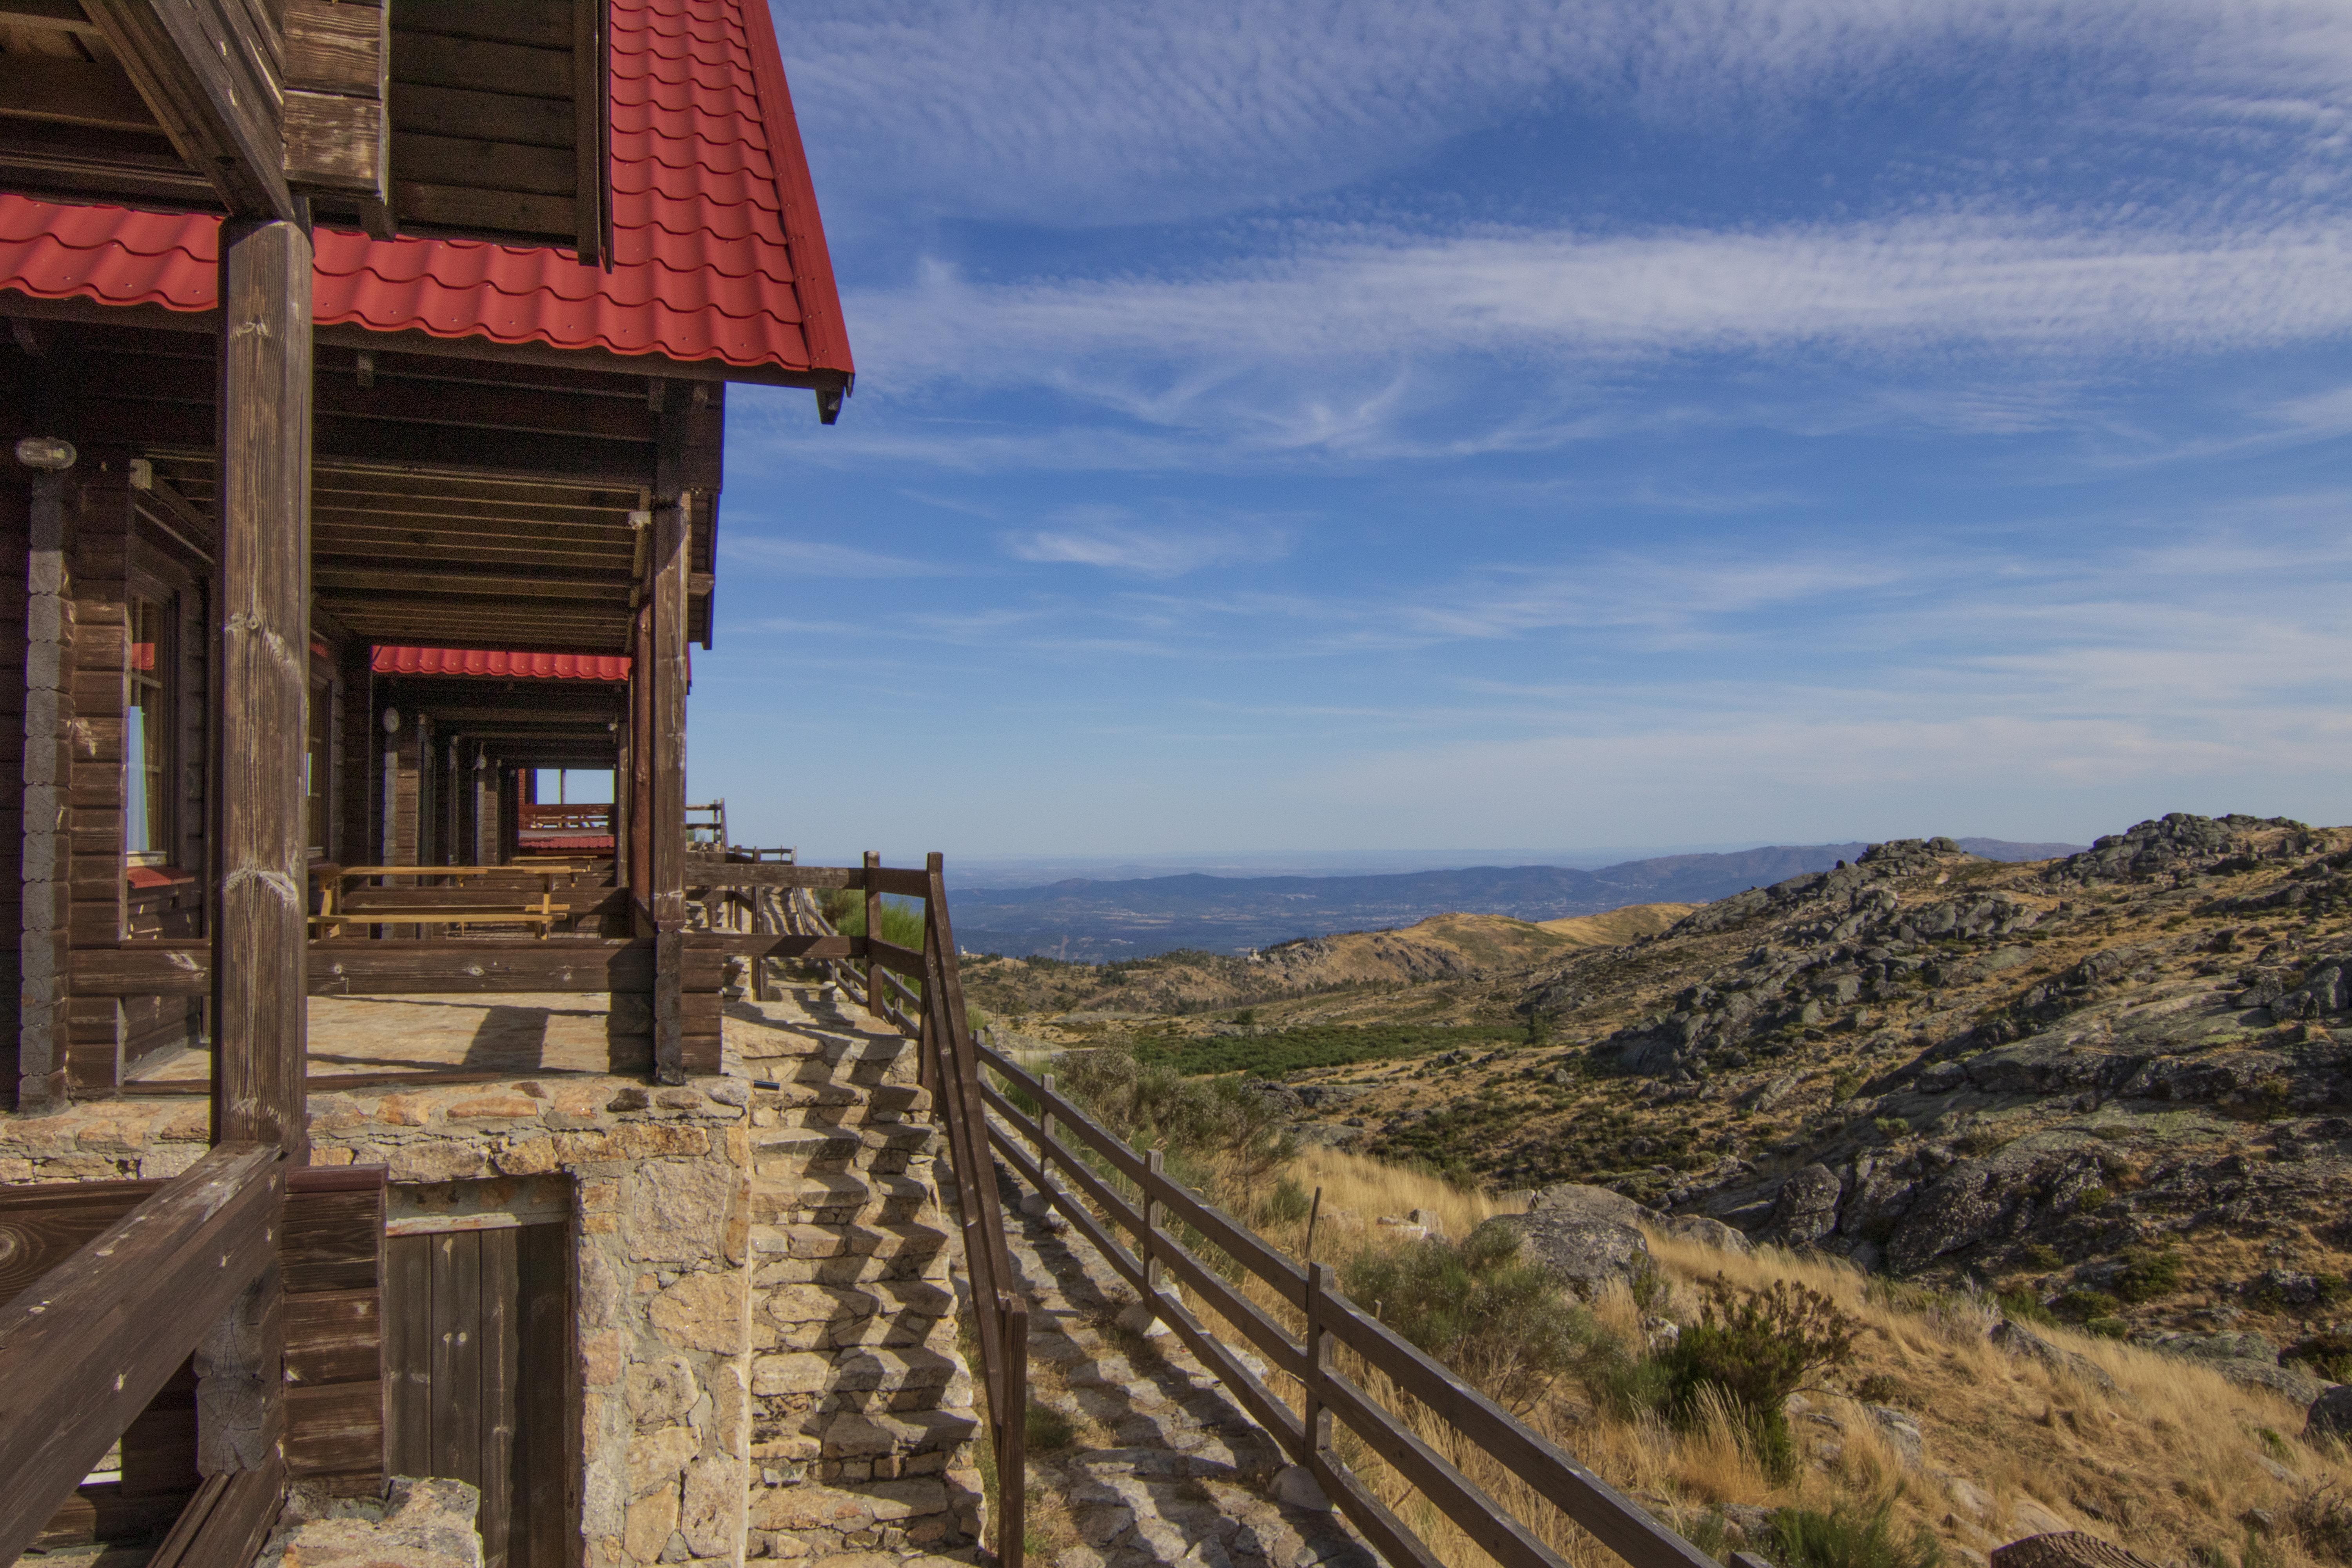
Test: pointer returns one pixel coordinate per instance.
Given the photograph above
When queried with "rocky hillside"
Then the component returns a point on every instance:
(2108, 1085)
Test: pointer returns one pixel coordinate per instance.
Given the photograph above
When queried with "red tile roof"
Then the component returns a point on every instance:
(719, 252)
(482, 661)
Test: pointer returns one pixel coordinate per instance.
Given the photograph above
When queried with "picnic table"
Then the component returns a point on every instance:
(337, 909)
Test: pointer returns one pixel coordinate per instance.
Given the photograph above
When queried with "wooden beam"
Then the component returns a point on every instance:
(666, 597)
(435, 968)
(259, 1011)
(209, 75)
(85, 1348)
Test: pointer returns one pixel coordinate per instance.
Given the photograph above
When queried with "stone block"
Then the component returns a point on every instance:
(651, 1519)
(656, 1457)
(703, 1312)
(677, 1211)
(661, 1391)
(712, 1517)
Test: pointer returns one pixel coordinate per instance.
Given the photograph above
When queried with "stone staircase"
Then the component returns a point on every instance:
(861, 1402)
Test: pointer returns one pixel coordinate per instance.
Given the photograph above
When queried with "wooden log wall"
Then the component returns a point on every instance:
(359, 772)
(45, 944)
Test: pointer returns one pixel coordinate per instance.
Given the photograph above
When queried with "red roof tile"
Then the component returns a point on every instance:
(718, 251)
(484, 662)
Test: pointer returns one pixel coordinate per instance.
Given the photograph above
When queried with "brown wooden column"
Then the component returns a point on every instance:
(49, 774)
(260, 931)
(666, 598)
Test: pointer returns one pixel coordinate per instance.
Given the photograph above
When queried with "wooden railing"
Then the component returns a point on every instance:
(1329, 1317)
(931, 1012)
(87, 1346)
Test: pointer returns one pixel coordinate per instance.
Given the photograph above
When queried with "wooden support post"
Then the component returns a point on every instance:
(42, 949)
(1046, 1138)
(1150, 1239)
(665, 746)
(874, 933)
(261, 929)
(1316, 1423)
(358, 776)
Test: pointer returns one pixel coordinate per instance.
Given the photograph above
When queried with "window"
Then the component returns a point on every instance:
(147, 795)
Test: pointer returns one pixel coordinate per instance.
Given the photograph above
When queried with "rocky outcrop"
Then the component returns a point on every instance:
(1807, 1207)
(1582, 1253)
(2169, 845)
(2026, 1345)
(1977, 1200)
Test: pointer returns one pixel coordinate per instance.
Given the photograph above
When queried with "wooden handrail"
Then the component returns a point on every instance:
(87, 1346)
(1575, 1489)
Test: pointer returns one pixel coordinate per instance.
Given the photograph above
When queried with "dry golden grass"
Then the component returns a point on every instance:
(1617, 927)
(2169, 1461)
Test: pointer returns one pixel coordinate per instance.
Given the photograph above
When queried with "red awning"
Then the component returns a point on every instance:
(495, 662)
(719, 253)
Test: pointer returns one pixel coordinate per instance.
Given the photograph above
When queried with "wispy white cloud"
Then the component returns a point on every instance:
(817, 558)
(1104, 537)
(1125, 109)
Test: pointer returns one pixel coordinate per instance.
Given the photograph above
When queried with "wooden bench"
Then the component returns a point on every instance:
(338, 907)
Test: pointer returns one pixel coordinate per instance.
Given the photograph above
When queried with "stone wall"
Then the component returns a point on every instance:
(659, 1181)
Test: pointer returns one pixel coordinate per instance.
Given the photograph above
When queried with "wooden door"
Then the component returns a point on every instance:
(478, 1368)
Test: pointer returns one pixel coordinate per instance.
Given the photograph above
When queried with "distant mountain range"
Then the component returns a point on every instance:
(1095, 920)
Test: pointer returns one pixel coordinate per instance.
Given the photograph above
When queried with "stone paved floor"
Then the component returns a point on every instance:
(1187, 1482)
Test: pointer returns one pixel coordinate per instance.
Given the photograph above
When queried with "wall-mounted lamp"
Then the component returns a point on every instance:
(50, 453)
(392, 720)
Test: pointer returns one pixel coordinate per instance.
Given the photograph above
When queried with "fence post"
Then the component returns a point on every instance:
(1012, 1443)
(874, 933)
(1316, 1426)
(1045, 1136)
(1150, 1238)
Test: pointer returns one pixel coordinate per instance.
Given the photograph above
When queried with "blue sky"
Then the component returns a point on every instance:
(1321, 426)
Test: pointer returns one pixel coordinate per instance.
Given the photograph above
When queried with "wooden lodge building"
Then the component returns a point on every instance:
(363, 401)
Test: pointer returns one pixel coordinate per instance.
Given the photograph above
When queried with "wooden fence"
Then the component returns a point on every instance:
(1329, 1318)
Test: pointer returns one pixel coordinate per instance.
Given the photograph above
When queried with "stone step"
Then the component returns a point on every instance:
(871, 1436)
(867, 1104)
(847, 1255)
(917, 1511)
(873, 1374)
(779, 1151)
(839, 1197)
(889, 1313)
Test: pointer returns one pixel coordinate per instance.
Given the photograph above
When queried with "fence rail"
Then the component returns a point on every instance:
(86, 1347)
(1593, 1503)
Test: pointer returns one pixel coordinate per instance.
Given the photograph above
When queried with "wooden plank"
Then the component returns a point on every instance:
(713, 871)
(73, 92)
(335, 1429)
(900, 960)
(501, 1353)
(456, 1365)
(364, 968)
(87, 1348)
(337, 48)
(408, 1355)
(748, 944)
(337, 143)
(439, 60)
(1584, 1497)
(480, 211)
(460, 161)
(1478, 1515)
(334, 1336)
(260, 1015)
(590, 141)
(544, 23)
(226, 1524)
(1398, 1547)
(544, 1442)
(501, 117)
(144, 969)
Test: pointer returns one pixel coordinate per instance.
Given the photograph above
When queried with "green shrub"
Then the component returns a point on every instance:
(1882, 1388)
(1046, 1429)
(2093, 1199)
(1755, 1348)
(1843, 1087)
(1274, 1052)
(1222, 1135)
(902, 921)
(2082, 1302)
(2146, 1275)
(1892, 1127)
(2025, 1306)
(1287, 1203)
(2108, 1328)
(2042, 1256)
(2328, 1354)
(1846, 1537)
(1500, 1322)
